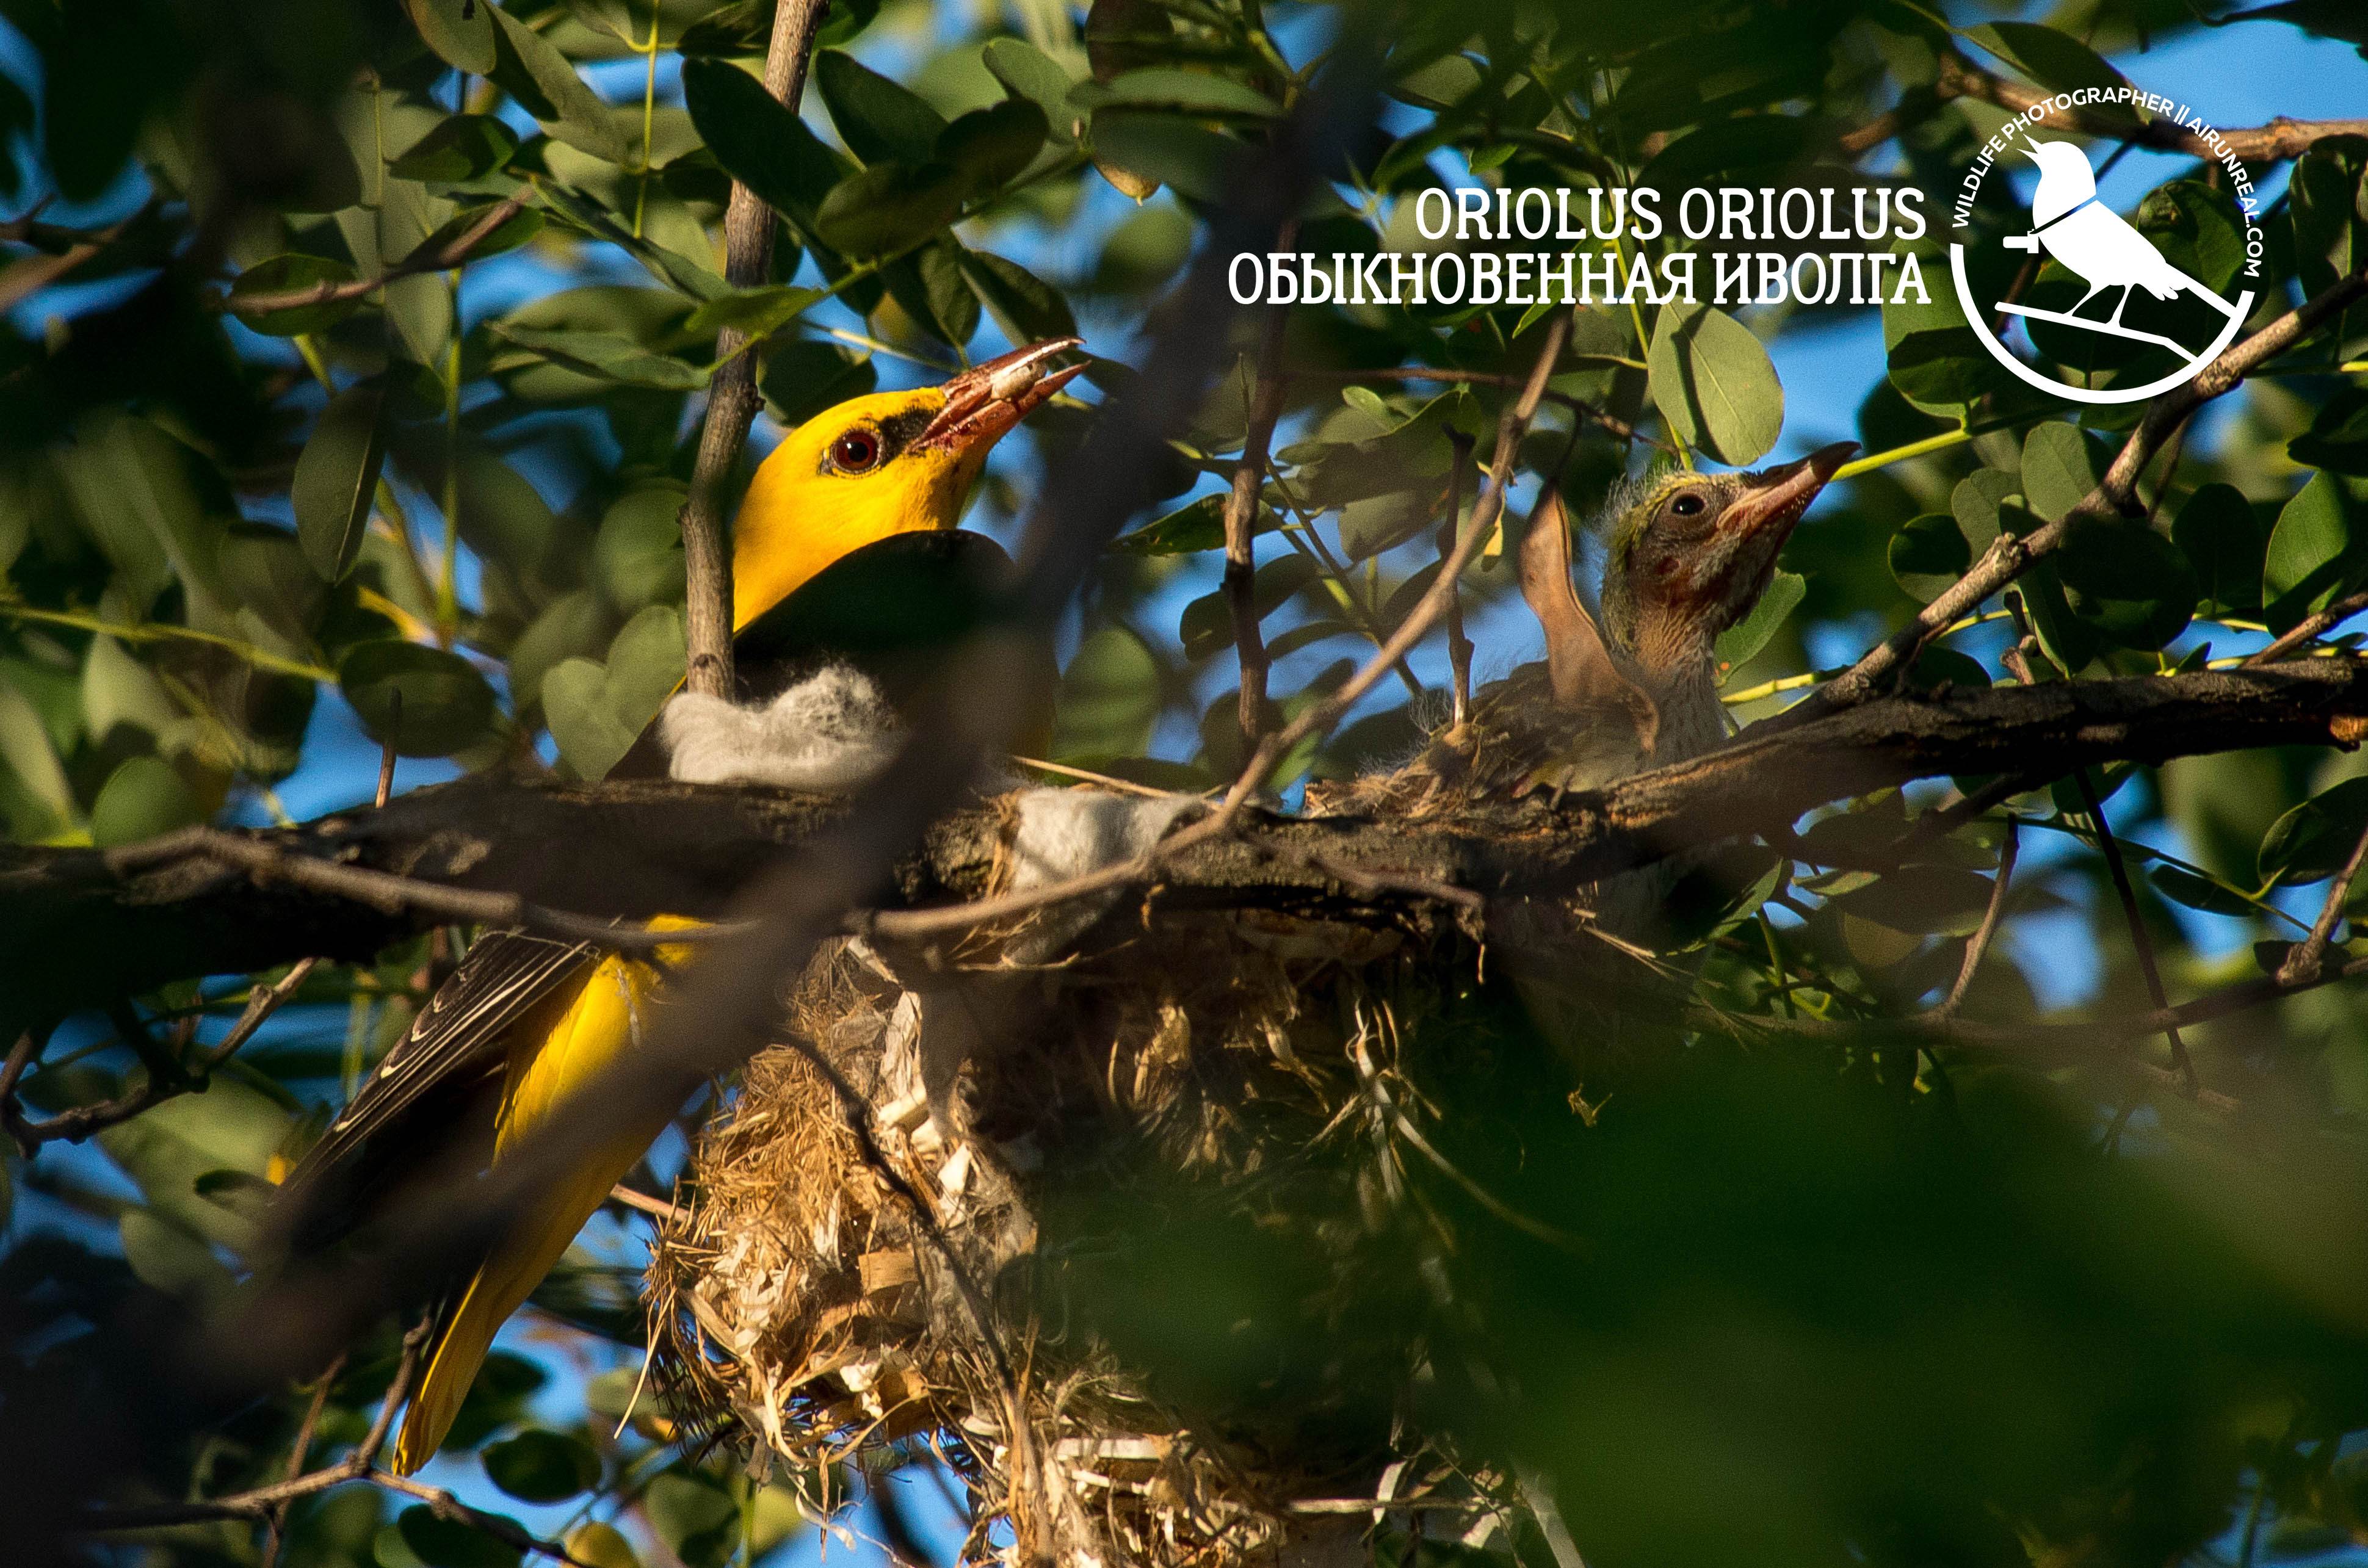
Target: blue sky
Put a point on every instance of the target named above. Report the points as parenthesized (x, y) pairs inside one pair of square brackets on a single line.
[(2238, 76)]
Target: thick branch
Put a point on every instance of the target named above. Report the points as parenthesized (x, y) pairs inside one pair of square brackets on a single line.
[(79, 927), (748, 227), (2281, 138)]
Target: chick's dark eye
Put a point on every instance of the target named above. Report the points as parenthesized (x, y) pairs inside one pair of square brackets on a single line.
[(1687, 504), (858, 451)]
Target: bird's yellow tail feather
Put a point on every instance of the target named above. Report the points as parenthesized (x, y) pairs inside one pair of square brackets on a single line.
[(546, 1064)]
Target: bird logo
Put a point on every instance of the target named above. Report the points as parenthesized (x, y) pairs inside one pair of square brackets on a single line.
[(2073, 226)]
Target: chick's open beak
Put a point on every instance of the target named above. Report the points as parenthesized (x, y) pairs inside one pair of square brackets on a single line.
[(985, 401), (1779, 495)]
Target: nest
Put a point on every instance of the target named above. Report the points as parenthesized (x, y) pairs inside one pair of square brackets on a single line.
[(875, 1245)]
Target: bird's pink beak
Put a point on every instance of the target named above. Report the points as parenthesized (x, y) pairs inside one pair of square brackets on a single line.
[(1779, 495), (985, 401)]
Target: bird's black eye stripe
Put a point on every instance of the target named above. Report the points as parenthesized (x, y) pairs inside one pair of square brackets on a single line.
[(862, 449)]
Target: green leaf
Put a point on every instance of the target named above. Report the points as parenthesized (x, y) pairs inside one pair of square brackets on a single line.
[(514, 231), (1714, 384), (539, 1466), (596, 1545), (27, 755), (1159, 149), (880, 119), (2310, 843), (142, 799), (2338, 438), (1928, 554), (889, 206), (430, 701), (760, 143), (1189, 92), (2069, 640), (168, 1258), (2197, 228), (2059, 469), (462, 147), (2128, 582), (607, 355), (1027, 307), (802, 379), (1975, 504), (695, 1518), (2317, 552), (1111, 697), (597, 713), (1739, 643), (993, 146), (460, 31), (2330, 230), (2221, 534), (672, 267), (1207, 623), (1372, 524), (637, 558), (547, 87), (930, 288), (1191, 528), (336, 478), (755, 313), (2185, 888), (1029, 73), (1941, 369), (280, 275), (2050, 57), (452, 1543)]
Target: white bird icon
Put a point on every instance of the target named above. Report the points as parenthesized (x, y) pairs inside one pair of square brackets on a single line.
[(2092, 239)]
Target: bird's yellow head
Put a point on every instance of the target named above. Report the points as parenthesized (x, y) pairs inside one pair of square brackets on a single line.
[(888, 463)]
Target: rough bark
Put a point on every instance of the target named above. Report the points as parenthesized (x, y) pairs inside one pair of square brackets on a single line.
[(79, 927)]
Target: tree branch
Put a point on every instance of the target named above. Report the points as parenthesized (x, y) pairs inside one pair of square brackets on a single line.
[(443, 259), (2010, 555), (694, 849), (748, 226), (2281, 138), (1241, 518)]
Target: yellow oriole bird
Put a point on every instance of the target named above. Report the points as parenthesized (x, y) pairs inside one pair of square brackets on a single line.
[(844, 549)]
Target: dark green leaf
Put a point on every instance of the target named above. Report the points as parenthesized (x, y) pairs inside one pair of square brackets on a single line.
[(1714, 384), (1928, 554), (431, 702), (2330, 230), (607, 355), (168, 1258), (1110, 699), (2059, 469), (452, 1543), (928, 287), (1739, 643), (539, 1466), (142, 799), (512, 232), (2338, 438), (881, 120), (637, 559), (802, 379), (547, 87), (2222, 537), (336, 478), (889, 206), (460, 31), (1191, 528), (595, 712), (1159, 149), (2048, 57), (695, 1518), (993, 146), (2127, 581), (1024, 305), (462, 147), (1194, 93), (755, 312), (1029, 73), (281, 274), (762, 145), (2310, 843), (2183, 887), (2318, 550), (1975, 504)]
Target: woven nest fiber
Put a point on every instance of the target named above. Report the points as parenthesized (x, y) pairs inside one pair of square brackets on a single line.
[(880, 1235)]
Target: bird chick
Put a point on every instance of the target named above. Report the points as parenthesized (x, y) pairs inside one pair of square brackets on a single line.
[(1688, 555)]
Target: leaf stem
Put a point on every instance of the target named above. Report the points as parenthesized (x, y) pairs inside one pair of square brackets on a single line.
[(165, 631)]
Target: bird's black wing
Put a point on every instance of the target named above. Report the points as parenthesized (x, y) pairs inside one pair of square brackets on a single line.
[(421, 1101)]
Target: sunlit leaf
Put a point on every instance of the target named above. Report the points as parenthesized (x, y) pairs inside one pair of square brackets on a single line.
[(1714, 384), (547, 87), (879, 119), (2319, 549)]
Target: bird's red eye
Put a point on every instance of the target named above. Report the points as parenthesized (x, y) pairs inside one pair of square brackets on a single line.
[(857, 451), (1687, 504)]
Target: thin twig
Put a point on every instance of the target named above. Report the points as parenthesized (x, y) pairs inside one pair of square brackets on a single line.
[(748, 226), (2139, 936), (1241, 517), (1885, 665), (274, 1526), (443, 259), (2309, 630), (1619, 429), (1989, 929), (2309, 955), (2281, 138), (1459, 646)]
